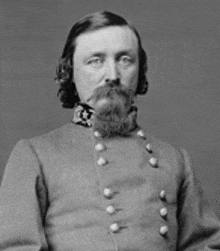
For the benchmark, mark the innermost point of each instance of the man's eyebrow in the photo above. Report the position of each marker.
(125, 52)
(96, 54)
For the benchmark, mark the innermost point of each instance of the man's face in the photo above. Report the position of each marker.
(109, 53)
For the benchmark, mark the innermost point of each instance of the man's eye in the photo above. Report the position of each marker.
(95, 62)
(125, 61)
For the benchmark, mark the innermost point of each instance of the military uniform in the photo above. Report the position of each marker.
(71, 189)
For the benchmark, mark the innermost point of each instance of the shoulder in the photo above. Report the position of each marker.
(64, 135)
(56, 141)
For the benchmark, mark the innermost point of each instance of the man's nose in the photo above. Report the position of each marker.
(111, 71)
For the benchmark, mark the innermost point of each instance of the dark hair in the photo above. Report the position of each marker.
(64, 73)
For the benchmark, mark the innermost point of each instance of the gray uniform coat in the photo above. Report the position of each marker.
(73, 190)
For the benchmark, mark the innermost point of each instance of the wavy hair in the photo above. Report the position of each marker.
(67, 92)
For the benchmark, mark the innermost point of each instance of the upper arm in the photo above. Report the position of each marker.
(20, 214)
(199, 228)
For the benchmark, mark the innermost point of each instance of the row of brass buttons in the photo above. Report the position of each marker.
(154, 163)
(108, 193)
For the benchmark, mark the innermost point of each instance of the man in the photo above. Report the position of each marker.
(101, 182)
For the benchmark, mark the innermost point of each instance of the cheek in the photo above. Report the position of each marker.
(130, 79)
(86, 77)
(85, 81)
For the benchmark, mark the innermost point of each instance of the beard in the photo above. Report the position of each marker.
(112, 104)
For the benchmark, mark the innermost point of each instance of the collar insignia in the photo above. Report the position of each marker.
(83, 115)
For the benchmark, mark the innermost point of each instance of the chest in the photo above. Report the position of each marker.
(95, 187)
(115, 173)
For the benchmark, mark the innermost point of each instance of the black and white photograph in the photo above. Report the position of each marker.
(109, 125)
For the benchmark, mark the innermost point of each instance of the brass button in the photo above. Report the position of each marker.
(141, 134)
(101, 161)
(110, 209)
(108, 193)
(99, 147)
(114, 227)
(163, 230)
(97, 134)
(149, 148)
(163, 212)
(162, 195)
(153, 161)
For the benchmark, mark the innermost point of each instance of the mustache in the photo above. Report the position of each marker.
(112, 89)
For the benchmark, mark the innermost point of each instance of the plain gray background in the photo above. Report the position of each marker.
(182, 40)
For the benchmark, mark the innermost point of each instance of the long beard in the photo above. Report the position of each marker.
(112, 104)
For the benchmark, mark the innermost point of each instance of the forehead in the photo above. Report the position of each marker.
(112, 38)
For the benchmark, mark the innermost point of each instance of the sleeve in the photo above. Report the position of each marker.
(199, 227)
(22, 198)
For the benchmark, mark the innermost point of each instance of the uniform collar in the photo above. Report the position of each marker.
(83, 115)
